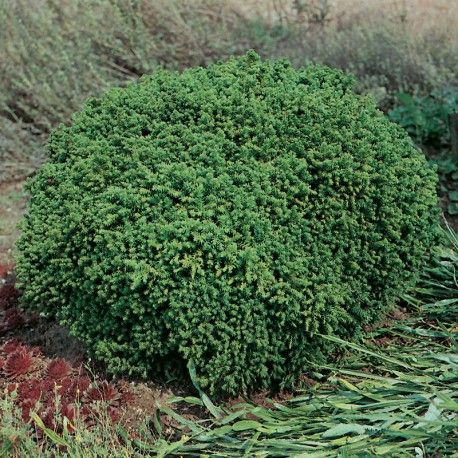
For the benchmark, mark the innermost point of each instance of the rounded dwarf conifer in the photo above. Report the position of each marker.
(229, 216)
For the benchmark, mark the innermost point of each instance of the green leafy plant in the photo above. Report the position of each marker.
(228, 216)
(447, 168)
(452, 207)
(426, 118)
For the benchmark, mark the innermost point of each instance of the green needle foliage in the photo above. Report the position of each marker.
(227, 216)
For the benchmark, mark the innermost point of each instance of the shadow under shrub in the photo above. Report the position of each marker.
(226, 216)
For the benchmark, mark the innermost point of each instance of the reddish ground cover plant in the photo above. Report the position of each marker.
(58, 369)
(48, 386)
(103, 391)
(11, 346)
(11, 317)
(8, 295)
(17, 364)
(55, 386)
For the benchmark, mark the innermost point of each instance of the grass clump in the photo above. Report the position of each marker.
(437, 288)
(226, 216)
(73, 438)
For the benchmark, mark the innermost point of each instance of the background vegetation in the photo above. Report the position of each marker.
(54, 54)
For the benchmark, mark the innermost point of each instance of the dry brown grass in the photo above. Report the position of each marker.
(56, 53)
(418, 13)
(12, 207)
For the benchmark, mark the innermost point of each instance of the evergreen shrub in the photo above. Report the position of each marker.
(228, 215)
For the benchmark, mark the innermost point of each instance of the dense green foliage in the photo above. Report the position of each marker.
(226, 216)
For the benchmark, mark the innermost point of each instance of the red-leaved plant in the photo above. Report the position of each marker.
(58, 369)
(17, 363)
(8, 296)
(56, 390)
(104, 392)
